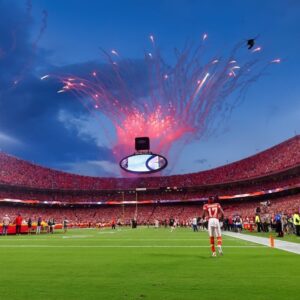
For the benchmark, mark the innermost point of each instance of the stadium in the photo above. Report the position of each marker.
(146, 174)
(271, 174)
(97, 203)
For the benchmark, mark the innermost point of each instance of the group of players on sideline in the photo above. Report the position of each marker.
(212, 220)
(37, 226)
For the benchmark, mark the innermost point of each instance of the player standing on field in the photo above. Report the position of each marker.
(213, 211)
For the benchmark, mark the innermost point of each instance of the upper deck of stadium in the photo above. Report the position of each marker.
(275, 160)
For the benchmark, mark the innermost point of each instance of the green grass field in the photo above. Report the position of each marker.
(143, 263)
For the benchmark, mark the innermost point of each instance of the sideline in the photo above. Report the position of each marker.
(282, 245)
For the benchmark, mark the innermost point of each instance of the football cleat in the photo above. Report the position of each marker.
(214, 254)
(220, 250)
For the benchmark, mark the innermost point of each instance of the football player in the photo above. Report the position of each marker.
(213, 211)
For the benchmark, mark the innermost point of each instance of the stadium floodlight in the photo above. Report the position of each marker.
(143, 161)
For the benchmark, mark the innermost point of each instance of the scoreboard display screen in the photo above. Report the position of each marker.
(143, 163)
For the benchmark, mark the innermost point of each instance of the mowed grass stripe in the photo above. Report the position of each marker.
(127, 242)
(128, 237)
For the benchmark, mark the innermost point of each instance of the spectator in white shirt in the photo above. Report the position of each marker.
(6, 221)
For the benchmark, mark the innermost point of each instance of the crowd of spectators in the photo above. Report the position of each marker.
(158, 195)
(148, 214)
(18, 172)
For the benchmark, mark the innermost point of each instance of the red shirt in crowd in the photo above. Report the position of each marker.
(19, 220)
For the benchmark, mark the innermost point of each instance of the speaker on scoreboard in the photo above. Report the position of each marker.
(142, 143)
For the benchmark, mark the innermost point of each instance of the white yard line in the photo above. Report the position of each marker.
(282, 245)
(121, 246)
(77, 236)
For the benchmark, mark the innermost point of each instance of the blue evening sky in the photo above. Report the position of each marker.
(37, 125)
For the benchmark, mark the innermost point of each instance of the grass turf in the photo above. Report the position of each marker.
(143, 264)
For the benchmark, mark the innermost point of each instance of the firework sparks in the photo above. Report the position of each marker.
(184, 100)
(257, 49)
(276, 61)
(114, 52)
(151, 37)
(45, 77)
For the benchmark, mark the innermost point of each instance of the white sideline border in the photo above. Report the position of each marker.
(282, 245)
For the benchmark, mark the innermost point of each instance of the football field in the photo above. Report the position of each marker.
(143, 263)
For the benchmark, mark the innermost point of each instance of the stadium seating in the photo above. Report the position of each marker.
(16, 172)
(275, 168)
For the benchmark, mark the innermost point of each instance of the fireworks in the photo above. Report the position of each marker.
(257, 49)
(276, 61)
(181, 100)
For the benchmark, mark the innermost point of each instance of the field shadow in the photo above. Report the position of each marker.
(181, 255)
